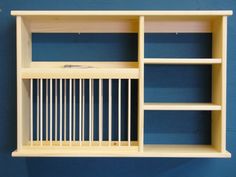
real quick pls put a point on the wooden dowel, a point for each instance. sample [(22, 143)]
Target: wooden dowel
[(38, 106), (129, 111), (83, 108), (31, 112), (64, 109), (119, 111), (110, 112), (46, 109), (55, 109), (74, 111), (60, 112), (90, 112), (41, 112), (100, 111), (80, 109), (92, 107), (70, 110), (50, 112)]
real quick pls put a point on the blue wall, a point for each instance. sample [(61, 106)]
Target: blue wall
[(106, 167)]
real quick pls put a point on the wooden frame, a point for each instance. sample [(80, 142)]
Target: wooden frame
[(29, 22)]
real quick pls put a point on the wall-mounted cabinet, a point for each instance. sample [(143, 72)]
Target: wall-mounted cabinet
[(98, 108)]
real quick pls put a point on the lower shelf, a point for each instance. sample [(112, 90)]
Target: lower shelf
[(186, 151)]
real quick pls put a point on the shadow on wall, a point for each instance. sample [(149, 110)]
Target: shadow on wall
[(102, 167)]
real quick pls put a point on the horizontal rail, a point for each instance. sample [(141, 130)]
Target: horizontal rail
[(90, 73)]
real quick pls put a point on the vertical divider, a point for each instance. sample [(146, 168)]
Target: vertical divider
[(31, 112), (141, 83), (60, 112), (110, 112), (129, 112), (100, 111), (119, 111)]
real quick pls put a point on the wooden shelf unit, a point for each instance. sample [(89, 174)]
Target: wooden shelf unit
[(54, 74)]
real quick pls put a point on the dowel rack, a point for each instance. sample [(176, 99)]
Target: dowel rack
[(55, 102)]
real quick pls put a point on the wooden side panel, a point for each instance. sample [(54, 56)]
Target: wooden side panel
[(23, 87), (141, 83), (219, 83)]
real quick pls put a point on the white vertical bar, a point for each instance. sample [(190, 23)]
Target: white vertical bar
[(38, 109), (70, 110), (92, 107), (110, 112), (100, 111), (55, 109), (83, 107), (90, 112), (119, 111), (41, 112), (74, 111), (60, 112), (64, 109), (50, 112), (31, 112), (80, 109), (46, 109), (129, 111)]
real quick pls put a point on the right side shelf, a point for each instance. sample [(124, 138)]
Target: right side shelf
[(217, 28)]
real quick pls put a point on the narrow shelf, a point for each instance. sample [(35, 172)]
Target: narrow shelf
[(183, 151), (75, 73), (182, 61), (182, 106), (189, 151)]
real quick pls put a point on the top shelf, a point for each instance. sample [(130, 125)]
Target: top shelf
[(119, 21), (121, 13)]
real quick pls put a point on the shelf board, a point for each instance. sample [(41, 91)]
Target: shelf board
[(182, 106), (182, 61), (205, 151), (190, 151), (75, 73), (123, 12)]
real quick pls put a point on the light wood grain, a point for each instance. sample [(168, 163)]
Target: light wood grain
[(187, 61), (123, 12), (182, 106), (141, 83), (177, 25), (219, 83), (93, 73), (188, 151)]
